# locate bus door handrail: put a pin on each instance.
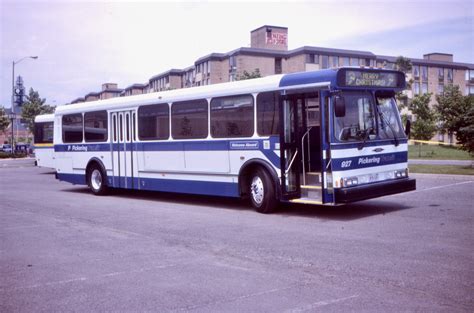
(302, 147)
(291, 162)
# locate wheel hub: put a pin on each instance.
(96, 179)
(256, 189)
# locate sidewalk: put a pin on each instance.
(441, 162)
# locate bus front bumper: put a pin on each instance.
(364, 192)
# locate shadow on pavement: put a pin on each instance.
(342, 213)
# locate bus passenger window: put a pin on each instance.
(95, 126)
(268, 116)
(72, 128)
(232, 117)
(121, 127)
(154, 122)
(127, 127)
(115, 128)
(189, 119)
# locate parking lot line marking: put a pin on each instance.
(444, 186)
(312, 306)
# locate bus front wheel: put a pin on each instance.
(96, 180)
(262, 192)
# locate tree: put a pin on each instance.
(34, 106)
(451, 107)
(404, 65)
(247, 75)
(465, 134)
(4, 121)
(424, 127)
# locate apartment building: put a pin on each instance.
(268, 52)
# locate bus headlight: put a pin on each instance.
(349, 181)
(401, 173)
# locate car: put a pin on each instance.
(6, 148)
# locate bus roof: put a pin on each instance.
(44, 118)
(329, 78)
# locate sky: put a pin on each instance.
(82, 44)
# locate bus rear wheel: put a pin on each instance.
(262, 192)
(96, 180)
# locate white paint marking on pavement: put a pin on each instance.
(444, 186)
(312, 306)
(80, 279)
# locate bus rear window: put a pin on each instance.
(44, 132)
(72, 128)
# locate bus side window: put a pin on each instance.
(268, 116)
(121, 127)
(114, 130)
(134, 136)
(127, 127)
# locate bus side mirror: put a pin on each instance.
(408, 128)
(339, 106)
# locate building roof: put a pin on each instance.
(270, 26)
(416, 61)
(169, 72)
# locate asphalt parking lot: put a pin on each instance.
(63, 249)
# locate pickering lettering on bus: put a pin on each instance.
(77, 148)
(369, 160)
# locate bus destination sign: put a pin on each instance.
(360, 78)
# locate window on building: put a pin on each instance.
(416, 71)
(44, 132)
(441, 74)
(278, 69)
(450, 75)
(367, 62)
(424, 73)
(268, 118)
(440, 89)
(390, 65)
(189, 119)
(354, 62)
(346, 61)
(324, 61)
(312, 58)
(232, 116)
(95, 126)
(416, 88)
(72, 128)
(334, 61)
(424, 88)
(154, 122)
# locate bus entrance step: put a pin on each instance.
(306, 201)
(311, 192)
(313, 178)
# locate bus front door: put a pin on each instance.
(123, 134)
(300, 145)
(290, 145)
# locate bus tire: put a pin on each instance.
(96, 180)
(262, 191)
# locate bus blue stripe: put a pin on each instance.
(345, 164)
(166, 185)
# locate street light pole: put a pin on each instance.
(13, 90)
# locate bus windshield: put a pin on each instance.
(363, 120)
(389, 125)
(359, 120)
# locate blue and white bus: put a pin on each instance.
(43, 140)
(326, 137)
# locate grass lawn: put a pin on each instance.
(441, 169)
(435, 152)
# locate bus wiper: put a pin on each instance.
(390, 126)
(364, 135)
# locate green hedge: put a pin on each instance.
(6, 155)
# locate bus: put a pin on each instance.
(326, 137)
(43, 141)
